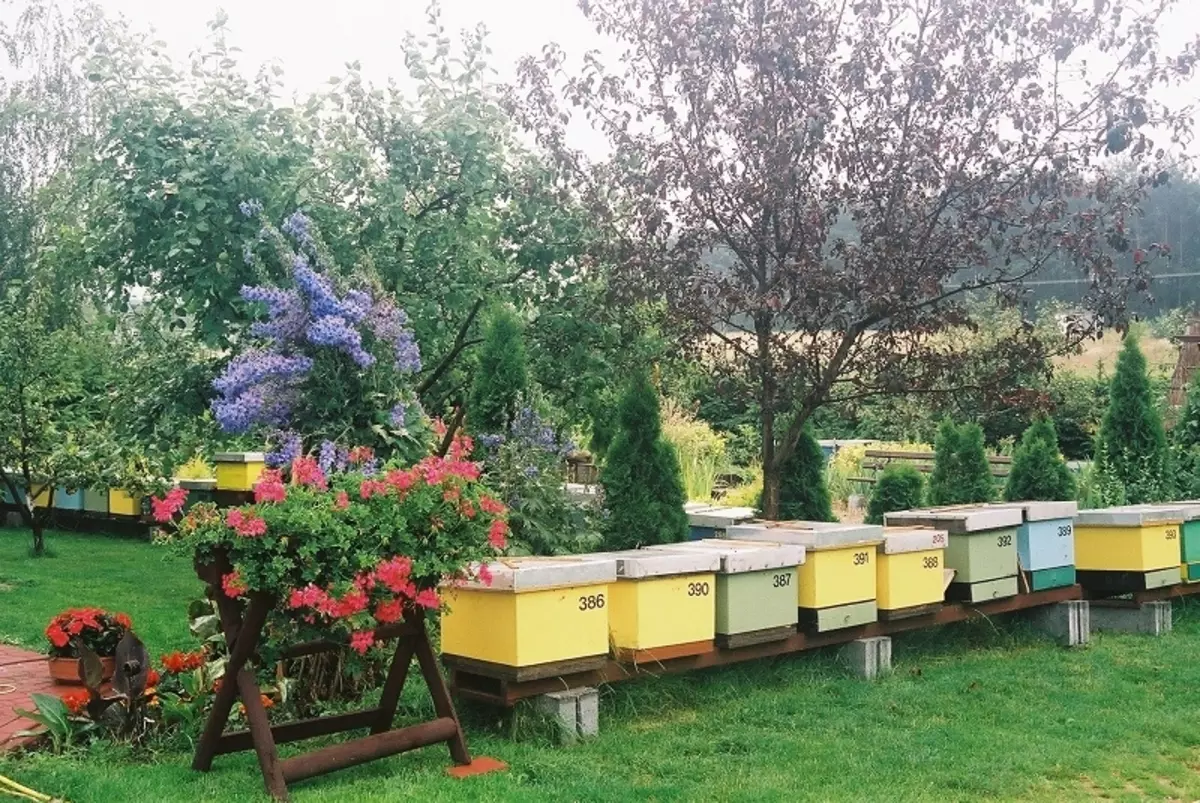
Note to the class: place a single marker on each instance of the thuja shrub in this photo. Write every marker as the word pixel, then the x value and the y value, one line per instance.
pixel 961 471
pixel 1038 469
pixel 899 487
pixel 803 491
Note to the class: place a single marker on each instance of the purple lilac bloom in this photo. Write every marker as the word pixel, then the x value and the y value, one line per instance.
pixel 250 208
pixel 398 415
pixel 371 467
pixel 256 366
pixel 408 355
pixel 333 331
pixel 256 406
pixel 491 442
pixel 297 227
pixel 531 471
pixel 341 460
pixel 326 455
pixel 288 449
pixel 357 305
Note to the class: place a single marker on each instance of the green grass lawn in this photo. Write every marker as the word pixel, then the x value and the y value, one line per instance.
pixel 986 710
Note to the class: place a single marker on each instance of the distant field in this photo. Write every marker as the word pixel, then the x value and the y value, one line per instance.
pixel 1160 355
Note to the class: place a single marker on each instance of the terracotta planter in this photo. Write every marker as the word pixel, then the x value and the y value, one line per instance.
pixel 65 671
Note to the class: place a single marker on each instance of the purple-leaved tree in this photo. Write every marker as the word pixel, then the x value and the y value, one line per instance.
pixel 816 187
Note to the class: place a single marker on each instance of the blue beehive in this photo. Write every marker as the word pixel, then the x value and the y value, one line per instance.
pixel 1046 542
pixel 65 499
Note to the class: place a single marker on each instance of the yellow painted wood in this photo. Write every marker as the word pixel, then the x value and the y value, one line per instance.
pixel 838 576
pixel 121 503
pixel 42 498
pixel 1127 549
pixel 526 628
pixel 238 476
pixel 662 611
pixel 910 579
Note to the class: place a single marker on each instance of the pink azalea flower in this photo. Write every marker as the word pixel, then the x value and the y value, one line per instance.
pixel 428 599
pixel 342 501
pixel 394 573
pixel 390 611
pixel 233 585
pixel 484 574
pixel 497 534
pixel 361 641
pixel 306 471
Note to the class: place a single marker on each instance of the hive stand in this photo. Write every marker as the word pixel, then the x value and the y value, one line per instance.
pixel 242 636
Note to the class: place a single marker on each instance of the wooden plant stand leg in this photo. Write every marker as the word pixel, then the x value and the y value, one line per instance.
pixel 242 637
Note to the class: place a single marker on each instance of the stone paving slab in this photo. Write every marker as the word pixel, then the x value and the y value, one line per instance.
pixel 22 674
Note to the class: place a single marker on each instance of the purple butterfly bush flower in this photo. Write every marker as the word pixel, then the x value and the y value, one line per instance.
pixel 288 447
pixel 398 415
pixel 297 226
pixel 251 208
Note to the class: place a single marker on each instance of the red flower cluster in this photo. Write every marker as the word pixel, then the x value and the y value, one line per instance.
pixel 178 662
pixel 361 641
pixel 152 678
pixel 491 506
pixel 498 534
pixel 76 701
pixel 246 523
pixel 361 454
pixel 74 621
pixel 270 487
pixel 165 509
pixel 233 585
pixel 342 500
pixel 307 471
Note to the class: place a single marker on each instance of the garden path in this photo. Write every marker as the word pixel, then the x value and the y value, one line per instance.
pixel 22 674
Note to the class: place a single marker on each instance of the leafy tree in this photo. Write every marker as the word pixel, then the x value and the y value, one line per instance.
pixel 643 490
pixel 501 378
pixel 1038 469
pixel 1185 441
pixel 961 472
pixel 900 487
pixel 815 195
pixel 53 426
pixel 1134 443
pixel 804 494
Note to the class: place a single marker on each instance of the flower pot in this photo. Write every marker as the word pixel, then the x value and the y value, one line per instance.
pixel 65 671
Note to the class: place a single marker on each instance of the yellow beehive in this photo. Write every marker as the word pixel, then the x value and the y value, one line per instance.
pixel 1141 539
pixel 909 568
pixel 122 503
pixel 238 471
pixel 663 600
pixel 42 497
pixel 535 611
pixel 839 568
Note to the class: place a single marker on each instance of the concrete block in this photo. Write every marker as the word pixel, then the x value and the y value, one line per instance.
pixel 575 712
pixel 869 658
pixel 1149 618
pixel 1068 623
pixel 588 713
pixel 13 520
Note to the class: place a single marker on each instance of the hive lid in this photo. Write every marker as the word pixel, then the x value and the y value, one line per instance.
pixel 738 557
pixel 1044 511
pixel 1189 507
pixel 239 457
pixel 528 573
pixel 1138 516
pixel 197 484
pixel 897 540
pixel 637 564
pixel 688 507
pixel 959 519
pixel 717 516
pixel 813 535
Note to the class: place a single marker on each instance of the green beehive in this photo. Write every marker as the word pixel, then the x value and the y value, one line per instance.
pixel 756 589
pixel 95 500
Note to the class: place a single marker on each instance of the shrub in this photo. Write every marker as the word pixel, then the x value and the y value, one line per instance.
pixel 643 491
pixel 1038 470
pixel 961 472
pixel 1132 446
pixel 1077 406
pixel 803 494
pixel 501 378
pixel 900 487
pixel 700 449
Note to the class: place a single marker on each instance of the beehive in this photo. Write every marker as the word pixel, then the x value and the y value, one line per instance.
pixel 41 494
pixel 1189 536
pixel 909 570
pixel 663 603
pixel 838 570
pixel 756 589
pixel 1046 543
pixel 68 499
pixel 95 500
pixel 713 521
pixel 238 471
pixel 538 617
pixel 1124 549
pixel 123 503
pixel 199 490
pixel 982 548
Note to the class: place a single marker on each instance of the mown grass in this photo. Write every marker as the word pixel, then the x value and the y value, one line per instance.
pixel 983 711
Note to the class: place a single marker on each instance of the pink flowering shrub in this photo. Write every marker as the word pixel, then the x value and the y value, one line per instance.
pixel 350 551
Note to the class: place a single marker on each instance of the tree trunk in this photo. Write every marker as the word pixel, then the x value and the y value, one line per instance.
pixel 39 539
pixel 770 493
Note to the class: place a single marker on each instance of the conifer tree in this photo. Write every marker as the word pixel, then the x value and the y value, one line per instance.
pixel 961 472
pixel 803 491
pixel 643 489
pixel 1185 442
pixel 1132 440
pixel 900 487
pixel 1038 469
pixel 501 378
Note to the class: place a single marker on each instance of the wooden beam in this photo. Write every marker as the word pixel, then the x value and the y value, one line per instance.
pixel 368 748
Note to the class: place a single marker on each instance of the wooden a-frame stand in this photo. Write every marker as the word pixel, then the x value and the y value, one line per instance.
pixel 242 636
